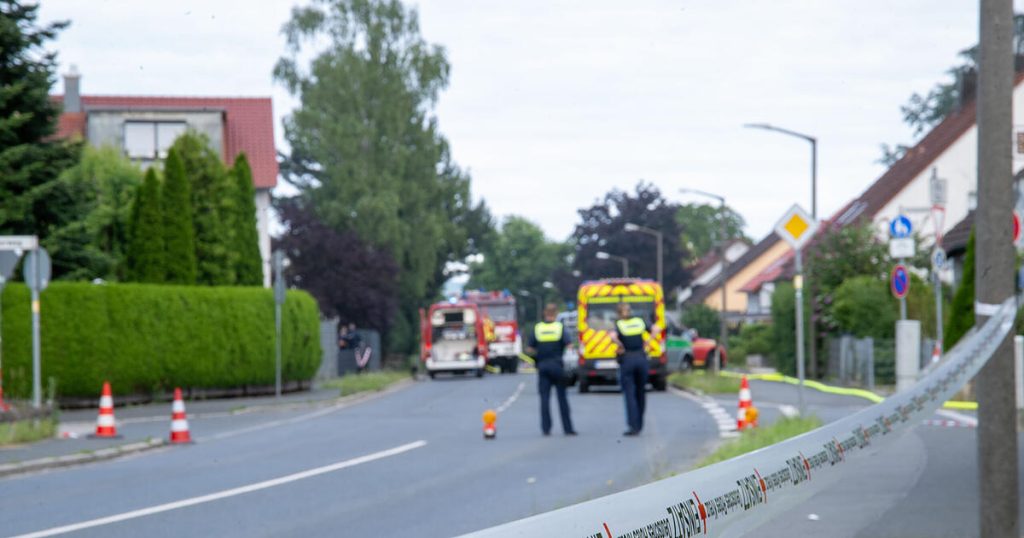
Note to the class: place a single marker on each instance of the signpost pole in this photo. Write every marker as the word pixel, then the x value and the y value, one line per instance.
pixel 36 360
pixel 798 286
pixel 278 301
pixel 797 228
pixel 938 310
pixel 3 281
pixel 903 299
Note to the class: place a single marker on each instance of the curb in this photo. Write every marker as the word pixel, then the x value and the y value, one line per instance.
pixel 829 389
pixel 54 462
pixel 9 469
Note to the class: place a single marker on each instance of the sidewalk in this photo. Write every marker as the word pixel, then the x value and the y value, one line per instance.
pixel 144 427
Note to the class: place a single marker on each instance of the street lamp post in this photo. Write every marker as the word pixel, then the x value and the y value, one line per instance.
pixel 722 326
pixel 631 227
pixel 814 158
pixel 601 255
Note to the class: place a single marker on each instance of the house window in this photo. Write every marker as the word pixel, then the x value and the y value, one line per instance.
pixel 151 139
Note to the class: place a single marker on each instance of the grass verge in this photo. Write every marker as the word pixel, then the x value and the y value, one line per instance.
pixel 27 431
pixel 753 439
pixel 366 382
pixel 705 382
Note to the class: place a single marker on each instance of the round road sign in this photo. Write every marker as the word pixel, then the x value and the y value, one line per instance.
pixel 900 227
pixel 938 258
pixel 899 281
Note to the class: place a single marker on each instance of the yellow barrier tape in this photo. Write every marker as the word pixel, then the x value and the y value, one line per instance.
pixel 492 369
pixel 860 393
pixel 527 358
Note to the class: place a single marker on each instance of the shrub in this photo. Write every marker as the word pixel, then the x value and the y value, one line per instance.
pixel 704 319
pixel 753 339
pixel 147 338
pixel 864 306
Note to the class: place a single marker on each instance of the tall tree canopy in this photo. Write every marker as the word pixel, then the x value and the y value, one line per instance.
pixel 601 228
pixel 179 236
pixel 211 189
pixel 104 182
pixel 366 152
pixel 146 254
pixel 923 112
pixel 702 227
pixel 34 201
pixel 248 262
pixel 349 278
pixel 520 258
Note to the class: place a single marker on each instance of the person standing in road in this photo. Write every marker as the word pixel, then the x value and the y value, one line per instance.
pixel 629 338
pixel 546 345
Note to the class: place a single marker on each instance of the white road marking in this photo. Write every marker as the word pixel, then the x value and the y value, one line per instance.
pixel 511 399
pixel 967 419
pixel 788 411
pixel 726 423
pixel 225 493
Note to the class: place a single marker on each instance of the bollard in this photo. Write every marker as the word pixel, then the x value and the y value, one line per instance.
pixel 489 427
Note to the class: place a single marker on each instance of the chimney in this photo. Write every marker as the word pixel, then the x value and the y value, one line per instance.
pixel 72 97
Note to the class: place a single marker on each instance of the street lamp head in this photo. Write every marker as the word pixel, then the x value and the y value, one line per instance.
pixel 631 227
pixel 524 293
pixel 602 255
pixel 757 125
pixel 548 284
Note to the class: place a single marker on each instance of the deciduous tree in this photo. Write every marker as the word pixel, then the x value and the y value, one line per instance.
pixel 366 152
pixel 348 277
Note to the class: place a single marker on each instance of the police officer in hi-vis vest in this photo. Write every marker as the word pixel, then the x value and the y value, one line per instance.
pixel 546 345
pixel 629 337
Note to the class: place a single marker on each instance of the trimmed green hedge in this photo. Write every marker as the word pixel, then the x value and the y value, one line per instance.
pixel 151 338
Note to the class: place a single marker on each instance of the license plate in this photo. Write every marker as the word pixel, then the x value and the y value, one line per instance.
pixel 606 365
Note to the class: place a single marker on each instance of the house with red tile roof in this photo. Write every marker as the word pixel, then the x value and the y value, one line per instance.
pixel 948 153
pixel 144 127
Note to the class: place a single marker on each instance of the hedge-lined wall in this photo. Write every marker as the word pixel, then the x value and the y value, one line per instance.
pixel 150 338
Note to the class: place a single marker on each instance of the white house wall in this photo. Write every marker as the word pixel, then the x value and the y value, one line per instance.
pixel 958 165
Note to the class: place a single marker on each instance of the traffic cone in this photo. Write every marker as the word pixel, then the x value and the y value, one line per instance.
pixel 741 413
pixel 490 419
pixel 936 352
pixel 106 427
pixel 179 423
pixel 3 405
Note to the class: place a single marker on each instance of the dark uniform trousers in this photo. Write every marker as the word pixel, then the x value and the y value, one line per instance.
pixel 551 374
pixel 633 379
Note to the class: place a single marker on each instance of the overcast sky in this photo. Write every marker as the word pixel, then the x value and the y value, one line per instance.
pixel 552 103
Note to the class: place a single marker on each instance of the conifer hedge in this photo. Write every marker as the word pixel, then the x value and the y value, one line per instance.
pixel 146 339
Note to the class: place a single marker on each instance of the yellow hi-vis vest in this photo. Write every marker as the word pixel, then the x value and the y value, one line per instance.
pixel 630 327
pixel 548 332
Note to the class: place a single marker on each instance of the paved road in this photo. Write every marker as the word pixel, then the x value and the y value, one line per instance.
pixel 410 463
pixel 924 485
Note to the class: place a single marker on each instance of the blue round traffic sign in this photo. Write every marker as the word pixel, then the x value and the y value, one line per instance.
pixel 899 281
pixel 900 227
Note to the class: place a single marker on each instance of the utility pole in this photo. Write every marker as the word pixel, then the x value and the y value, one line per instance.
pixel 997 410
pixel 723 326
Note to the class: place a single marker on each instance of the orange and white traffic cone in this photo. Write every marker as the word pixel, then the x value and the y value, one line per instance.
pixel 179 423
pixel 741 413
pixel 936 352
pixel 490 429
pixel 106 427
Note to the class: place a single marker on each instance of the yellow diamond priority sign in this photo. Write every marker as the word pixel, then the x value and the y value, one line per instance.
pixel 796 227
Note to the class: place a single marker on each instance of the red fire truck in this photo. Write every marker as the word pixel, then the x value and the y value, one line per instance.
pixel 453 338
pixel 500 309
